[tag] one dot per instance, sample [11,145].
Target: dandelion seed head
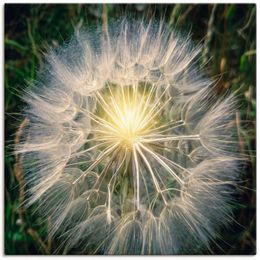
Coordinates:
[128,150]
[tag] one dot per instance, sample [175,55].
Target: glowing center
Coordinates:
[127,124]
[127,115]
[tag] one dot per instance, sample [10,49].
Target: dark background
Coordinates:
[228,36]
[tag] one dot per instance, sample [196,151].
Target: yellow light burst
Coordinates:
[128,115]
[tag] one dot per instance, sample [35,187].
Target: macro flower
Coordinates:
[128,149]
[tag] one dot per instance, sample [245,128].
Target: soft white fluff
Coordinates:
[167,191]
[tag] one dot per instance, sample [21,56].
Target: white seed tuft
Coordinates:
[127,150]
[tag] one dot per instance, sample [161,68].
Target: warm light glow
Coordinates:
[128,128]
[127,115]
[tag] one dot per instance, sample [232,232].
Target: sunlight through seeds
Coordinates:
[128,149]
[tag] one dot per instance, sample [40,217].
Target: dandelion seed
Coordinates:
[127,151]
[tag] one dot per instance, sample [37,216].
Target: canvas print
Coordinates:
[130,129]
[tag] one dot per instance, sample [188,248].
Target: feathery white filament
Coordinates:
[127,150]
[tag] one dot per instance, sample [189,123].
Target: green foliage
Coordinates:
[227,34]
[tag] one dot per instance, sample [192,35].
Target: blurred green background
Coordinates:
[227,33]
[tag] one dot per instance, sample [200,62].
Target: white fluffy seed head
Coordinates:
[127,149]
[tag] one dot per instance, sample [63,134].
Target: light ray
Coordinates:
[170,138]
[136,165]
[110,189]
[158,189]
[97,161]
[174,175]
